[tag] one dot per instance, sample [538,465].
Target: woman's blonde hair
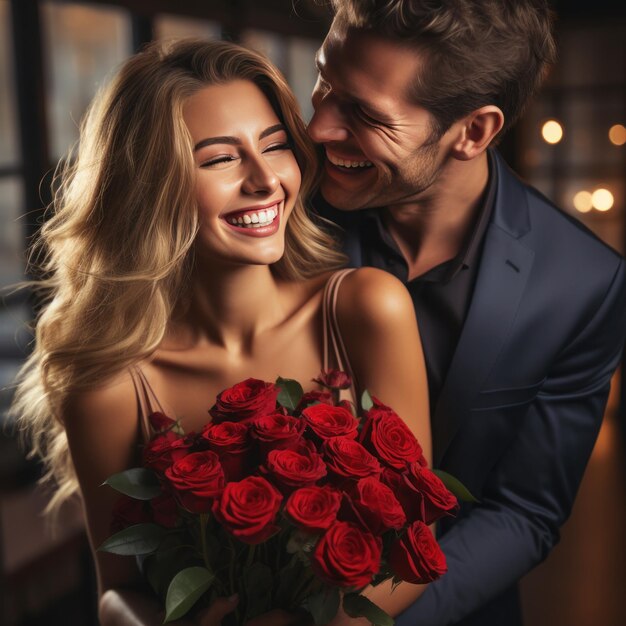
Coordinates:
[118,248]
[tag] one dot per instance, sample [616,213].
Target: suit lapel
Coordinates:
[504,268]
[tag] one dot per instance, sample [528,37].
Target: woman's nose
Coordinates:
[260,177]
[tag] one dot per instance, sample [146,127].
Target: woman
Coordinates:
[180,260]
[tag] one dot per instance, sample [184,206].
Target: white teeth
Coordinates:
[255,220]
[348,164]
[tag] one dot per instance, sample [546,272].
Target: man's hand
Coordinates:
[219,609]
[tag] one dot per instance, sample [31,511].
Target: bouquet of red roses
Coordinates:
[286,498]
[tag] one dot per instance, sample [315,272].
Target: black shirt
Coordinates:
[442,295]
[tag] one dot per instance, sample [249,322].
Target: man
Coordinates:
[521,309]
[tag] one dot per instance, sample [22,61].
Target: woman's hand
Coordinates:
[125,607]
[134,608]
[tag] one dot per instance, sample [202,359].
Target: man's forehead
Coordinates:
[363,64]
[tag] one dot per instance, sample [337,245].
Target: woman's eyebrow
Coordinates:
[235,141]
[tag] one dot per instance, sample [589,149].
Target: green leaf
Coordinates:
[366,401]
[258,584]
[185,590]
[356,605]
[289,579]
[323,605]
[455,486]
[290,393]
[138,483]
[161,567]
[135,540]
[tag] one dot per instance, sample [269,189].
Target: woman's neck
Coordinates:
[230,306]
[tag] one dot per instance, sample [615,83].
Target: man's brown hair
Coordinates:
[476,52]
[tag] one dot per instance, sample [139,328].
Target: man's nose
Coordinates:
[328,122]
[260,178]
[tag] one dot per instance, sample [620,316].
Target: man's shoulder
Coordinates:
[554,232]
[563,237]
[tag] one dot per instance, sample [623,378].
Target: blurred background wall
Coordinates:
[571,145]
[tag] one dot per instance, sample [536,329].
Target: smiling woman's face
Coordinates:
[247,177]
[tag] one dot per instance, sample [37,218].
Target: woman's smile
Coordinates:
[261,221]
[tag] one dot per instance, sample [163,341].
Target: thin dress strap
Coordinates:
[147,399]
[335,353]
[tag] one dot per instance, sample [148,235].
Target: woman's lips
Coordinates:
[255,222]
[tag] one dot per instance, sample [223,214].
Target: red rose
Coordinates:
[393,480]
[248,509]
[127,512]
[377,506]
[277,432]
[349,459]
[313,508]
[165,510]
[300,467]
[331,421]
[245,401]
[346,556]
[160,422]
[314,397]
[197,480]
[417,557]
[333,379]
[347,405]
[164,449]
[389,438]
[230,441]
[423,495]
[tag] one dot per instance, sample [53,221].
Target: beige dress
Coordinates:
[334,357]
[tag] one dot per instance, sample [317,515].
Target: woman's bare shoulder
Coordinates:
[115,395]
[374,298]
[298,293]
[102,426]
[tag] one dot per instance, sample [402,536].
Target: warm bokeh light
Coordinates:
[552,132]
[602,199]
[617,134]
[583,202]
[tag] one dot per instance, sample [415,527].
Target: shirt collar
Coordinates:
[468,254]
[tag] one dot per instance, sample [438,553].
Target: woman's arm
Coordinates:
[377,322]
[103,433]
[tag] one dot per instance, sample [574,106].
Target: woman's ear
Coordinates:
[478,130]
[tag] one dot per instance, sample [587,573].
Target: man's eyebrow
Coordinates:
[350,96]
[235,141]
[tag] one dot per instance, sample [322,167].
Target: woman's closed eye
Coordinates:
[226,159]
[277,147]
[216,161]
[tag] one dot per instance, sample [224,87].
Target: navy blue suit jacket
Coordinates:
[523,399]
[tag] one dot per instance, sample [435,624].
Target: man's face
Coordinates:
[379,147]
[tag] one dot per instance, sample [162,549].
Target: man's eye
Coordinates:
[367,119]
